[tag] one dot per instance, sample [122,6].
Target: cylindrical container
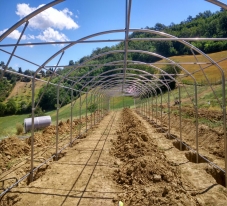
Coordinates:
[39,122]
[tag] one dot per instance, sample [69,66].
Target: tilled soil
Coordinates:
[132,161]
[14,149]
[146,175]
[201,180]
[211,140]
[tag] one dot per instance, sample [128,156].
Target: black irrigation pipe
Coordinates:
[190,148]
[45,162]
[86,164]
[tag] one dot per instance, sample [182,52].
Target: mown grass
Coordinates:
[120,102]
[8,124]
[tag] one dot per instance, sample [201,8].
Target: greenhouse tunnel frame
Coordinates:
[122,81]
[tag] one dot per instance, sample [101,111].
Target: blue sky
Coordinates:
[74,19]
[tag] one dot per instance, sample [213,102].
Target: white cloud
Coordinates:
[52,35]
[31,36]
[14,35]
[58,19]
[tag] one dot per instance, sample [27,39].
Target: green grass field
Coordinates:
[8,123]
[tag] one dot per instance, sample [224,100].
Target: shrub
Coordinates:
[93,107]
[19,128]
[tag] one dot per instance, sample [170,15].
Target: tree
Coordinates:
[71,62]
[92,108]
[2,109]
[189,19]
[11,107]
[20,70]
[159,27]
[167,80]
[49,99]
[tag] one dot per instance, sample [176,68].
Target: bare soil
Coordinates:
[123,158]
[211,140]
[13,149]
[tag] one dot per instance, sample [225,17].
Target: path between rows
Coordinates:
[80,177]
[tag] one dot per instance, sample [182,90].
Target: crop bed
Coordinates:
[124,158]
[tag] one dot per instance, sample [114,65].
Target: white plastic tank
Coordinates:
[39,122]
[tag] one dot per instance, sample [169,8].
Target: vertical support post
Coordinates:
[152,105]
[71,122]
[109,105]
[169,110]
[98,108]
[180,117]
[161,108]
[141,106]
[86,110]
[95,110]
[156,109]
[113,103]
[224,124]
[32,131]
[57,116]
[197,125]
[80,116]
[149,109]
[102,105]
[146,107]
[91,110]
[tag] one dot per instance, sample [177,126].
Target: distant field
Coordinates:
[212,73]
[23,92]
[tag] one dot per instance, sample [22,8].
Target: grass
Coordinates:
[119,102]
[204,95]
[8,123]
[22,91]
[211,72]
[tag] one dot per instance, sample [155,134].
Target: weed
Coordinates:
[9,164]
[19,128]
